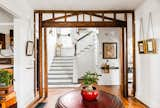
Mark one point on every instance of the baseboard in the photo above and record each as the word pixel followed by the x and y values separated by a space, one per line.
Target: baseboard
pixel 141 102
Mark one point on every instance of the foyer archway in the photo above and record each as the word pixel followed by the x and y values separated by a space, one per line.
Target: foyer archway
pixel 70 18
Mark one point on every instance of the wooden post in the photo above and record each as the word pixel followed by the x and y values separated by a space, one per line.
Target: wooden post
pixel 126 60
pixel 122 60
pixel 134 53
pixel 45 64
pixel 40 57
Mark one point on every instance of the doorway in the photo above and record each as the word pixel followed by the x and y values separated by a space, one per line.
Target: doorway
pixel 51 18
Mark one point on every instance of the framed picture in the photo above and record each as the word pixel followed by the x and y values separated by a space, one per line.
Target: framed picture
pixel 151 46
pixel 110 50
pixel 142 47
pixel 29 48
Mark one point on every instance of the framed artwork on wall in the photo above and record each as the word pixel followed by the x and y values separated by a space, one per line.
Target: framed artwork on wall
pixel 142 47
pixel 151 46
pixel 29 48
pixel 110 50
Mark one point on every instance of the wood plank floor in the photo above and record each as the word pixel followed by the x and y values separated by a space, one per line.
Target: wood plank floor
pixel 115 90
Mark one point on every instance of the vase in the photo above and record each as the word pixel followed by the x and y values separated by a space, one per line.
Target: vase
pixel 89 95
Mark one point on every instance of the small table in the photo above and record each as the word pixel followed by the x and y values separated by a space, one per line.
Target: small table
pixel 74 99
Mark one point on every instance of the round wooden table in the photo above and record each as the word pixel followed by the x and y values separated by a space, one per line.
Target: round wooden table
pixel 74 99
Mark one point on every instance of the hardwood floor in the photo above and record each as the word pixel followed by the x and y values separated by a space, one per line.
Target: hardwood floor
pixel 115 90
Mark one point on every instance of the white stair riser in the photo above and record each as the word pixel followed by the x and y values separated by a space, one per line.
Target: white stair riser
pixel 61 68
pixel 59 80
pixel 62 61
pixel 60 76
pixel 62 72
pixel 64 64
pixel 65 57
pixel 72 85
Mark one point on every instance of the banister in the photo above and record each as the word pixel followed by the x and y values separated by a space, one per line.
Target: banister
pixel 84 36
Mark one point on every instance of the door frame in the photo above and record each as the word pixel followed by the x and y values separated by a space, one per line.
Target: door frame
pixel 43 25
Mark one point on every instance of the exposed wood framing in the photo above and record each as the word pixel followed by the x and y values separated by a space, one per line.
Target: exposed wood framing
pixel 125 42
pixel 122 60
pixel 40 57
pixel 114 22
pixel 81 11
pixel 82 24
pixel 45 64
pixel 134 53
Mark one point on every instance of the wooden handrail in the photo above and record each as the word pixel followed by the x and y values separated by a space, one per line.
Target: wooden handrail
pixel 84 36
pixel 75 53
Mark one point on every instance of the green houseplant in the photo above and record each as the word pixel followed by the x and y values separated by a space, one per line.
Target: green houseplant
pixel 88 91
pixel 6 78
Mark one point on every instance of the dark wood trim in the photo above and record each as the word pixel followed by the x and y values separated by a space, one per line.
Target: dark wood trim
pixel 83 24
pixel 122 60
pixel 105 17
pixel 134 53
pixel 40 56
pixel 81 11
pixel 45 64
pixel 126 59
pixel 61 17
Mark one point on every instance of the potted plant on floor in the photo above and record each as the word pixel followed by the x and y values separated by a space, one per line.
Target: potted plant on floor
pixel 6 78
pixel 89 91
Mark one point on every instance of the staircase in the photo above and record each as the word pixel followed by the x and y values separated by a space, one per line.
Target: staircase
pixel 61 72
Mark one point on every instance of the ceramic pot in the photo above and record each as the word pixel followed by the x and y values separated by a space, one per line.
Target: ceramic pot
pixel 89 95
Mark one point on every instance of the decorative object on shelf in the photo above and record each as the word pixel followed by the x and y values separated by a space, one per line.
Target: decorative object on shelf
pixel 89 92
pixel 142 47
pixel 110 50
pixel 6 78
pixel 142 42
pixel 7 61
pixel 105 67
pixel 29 48
pixel 151 45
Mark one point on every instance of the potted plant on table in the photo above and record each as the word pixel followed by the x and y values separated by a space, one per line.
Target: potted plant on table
pixel 89 91
pixel 6 78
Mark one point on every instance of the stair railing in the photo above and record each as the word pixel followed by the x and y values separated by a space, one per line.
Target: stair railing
pixel 80 39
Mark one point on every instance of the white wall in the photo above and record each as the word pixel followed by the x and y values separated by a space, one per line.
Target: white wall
pixel 51 44
pixel 147 67
pixel 86 57
pixel 108 35
pixel 23 65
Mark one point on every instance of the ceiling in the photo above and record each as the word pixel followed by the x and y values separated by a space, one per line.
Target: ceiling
pixel 85 4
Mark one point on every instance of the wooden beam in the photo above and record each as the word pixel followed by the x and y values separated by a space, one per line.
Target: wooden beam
pixel 134 53
pixel 105 17
pixel 61 17
pixel 83 24
pixel 45 64
pixel 81 11
pixel 40 57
